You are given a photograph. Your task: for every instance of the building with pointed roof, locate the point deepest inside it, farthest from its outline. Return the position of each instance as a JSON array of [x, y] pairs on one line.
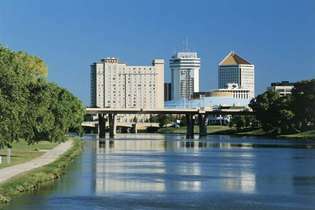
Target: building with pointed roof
[[235, 69]]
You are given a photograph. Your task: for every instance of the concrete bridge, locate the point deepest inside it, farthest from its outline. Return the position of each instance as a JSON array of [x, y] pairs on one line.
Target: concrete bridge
[[201, 113], [128, 126], [94, 124]]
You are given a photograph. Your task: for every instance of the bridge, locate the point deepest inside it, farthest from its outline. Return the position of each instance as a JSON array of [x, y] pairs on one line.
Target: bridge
[[201, 113], [126, 126]]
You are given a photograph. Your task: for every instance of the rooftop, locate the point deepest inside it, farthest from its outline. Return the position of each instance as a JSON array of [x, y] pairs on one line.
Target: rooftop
[[233, 59], [283, 83], [185, 55]]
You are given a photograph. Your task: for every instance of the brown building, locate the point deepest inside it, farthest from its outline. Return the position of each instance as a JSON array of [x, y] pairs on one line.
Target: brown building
[[167, 91]]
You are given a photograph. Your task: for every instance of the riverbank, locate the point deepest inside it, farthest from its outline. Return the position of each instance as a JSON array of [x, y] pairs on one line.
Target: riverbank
[[43, 174], [306, 135], [226, 130], [182, 130]]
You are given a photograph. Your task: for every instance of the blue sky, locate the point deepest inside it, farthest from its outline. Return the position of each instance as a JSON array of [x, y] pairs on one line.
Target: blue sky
[[278, 36]]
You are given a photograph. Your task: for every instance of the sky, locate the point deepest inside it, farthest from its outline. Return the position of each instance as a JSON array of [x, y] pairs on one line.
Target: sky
[[277, 36]]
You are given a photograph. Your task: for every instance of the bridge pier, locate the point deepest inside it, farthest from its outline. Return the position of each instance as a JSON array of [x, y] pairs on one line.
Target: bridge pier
[[101, 126], [202, 121], [190, 113], [112, 125], [134, 128], [190, 126]]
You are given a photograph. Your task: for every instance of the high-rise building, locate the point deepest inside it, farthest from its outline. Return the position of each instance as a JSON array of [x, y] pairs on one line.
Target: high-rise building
[[167, 91], [234, 69], [117, 85], [185, 68]]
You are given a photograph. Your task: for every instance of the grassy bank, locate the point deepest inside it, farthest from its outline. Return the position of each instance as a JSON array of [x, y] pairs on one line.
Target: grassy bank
[[23, 152], [31, 181], [260, 133], [226, 130], [303, 135], [182, 130]]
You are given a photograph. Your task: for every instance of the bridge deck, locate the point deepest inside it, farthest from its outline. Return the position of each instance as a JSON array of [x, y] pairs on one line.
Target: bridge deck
[[165, 111]]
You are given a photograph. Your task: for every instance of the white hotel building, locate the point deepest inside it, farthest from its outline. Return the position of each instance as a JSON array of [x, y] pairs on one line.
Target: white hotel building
[[185, 68], [237, 70], [117, 85]]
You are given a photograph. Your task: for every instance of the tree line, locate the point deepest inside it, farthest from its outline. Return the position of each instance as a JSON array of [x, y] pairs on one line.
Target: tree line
[[277, 114], [31, 108]]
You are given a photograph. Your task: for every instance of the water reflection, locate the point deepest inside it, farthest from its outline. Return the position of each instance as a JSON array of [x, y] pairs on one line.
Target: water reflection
[[117, 173], [246, 182], [129, 165], [167, 172]]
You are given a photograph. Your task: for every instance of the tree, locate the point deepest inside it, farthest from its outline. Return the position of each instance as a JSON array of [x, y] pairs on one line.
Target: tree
[[13, 95], [303, 96], [238, 121], [39, 119], [287, 114], [68, 112], [32, 64], [30, 107], [274, 112], [162, 119], [262, 105]]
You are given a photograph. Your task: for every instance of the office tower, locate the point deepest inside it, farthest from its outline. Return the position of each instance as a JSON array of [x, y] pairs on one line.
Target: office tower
[[185, 68], [117, 85], [234, 69]]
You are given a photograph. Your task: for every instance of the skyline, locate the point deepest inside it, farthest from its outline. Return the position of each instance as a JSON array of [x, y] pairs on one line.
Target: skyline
[[276, 37]]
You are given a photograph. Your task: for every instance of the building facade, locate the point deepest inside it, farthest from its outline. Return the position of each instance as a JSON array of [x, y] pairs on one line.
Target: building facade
[[234, 69], [233, 93], [283, 88], [117, 85], [185, 68], [167, 91], [208, 102], [231, 90]]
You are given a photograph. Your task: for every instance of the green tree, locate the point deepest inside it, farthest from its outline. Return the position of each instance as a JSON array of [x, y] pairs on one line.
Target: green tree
[[67, 114], [162, 119], [262, 105], [32, 64], [39, 119], [13, 95], [303, 96], [238, 121], [30, 106], [274, 112]]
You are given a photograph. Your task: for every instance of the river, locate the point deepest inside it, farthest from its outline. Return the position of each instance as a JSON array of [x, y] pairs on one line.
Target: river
[[154, 171]]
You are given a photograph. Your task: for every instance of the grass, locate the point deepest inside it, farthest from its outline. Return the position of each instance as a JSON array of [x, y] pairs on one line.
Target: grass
[[303, 135], [182, 130], [33, 180], [226, 130], [259, 132], [23, 152]]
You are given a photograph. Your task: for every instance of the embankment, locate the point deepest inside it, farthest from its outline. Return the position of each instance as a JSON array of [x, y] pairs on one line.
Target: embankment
[[34, 179]]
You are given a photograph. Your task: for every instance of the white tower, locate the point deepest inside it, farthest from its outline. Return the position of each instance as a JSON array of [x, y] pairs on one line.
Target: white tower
[[185, 68]]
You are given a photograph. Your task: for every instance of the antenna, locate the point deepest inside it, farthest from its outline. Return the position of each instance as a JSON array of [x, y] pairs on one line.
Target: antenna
[[186, 44]]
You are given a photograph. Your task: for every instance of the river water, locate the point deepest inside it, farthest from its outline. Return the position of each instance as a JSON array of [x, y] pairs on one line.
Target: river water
[[153, 171]]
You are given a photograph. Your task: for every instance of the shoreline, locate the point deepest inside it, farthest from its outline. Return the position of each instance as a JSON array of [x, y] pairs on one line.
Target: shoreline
[[32, 180], [225, 130]]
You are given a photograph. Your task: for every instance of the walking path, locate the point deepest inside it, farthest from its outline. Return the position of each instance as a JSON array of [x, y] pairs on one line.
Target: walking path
[[45, 159]]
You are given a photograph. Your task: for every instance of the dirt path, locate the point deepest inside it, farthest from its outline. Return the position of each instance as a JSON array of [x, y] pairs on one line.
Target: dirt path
[[45, 159]]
